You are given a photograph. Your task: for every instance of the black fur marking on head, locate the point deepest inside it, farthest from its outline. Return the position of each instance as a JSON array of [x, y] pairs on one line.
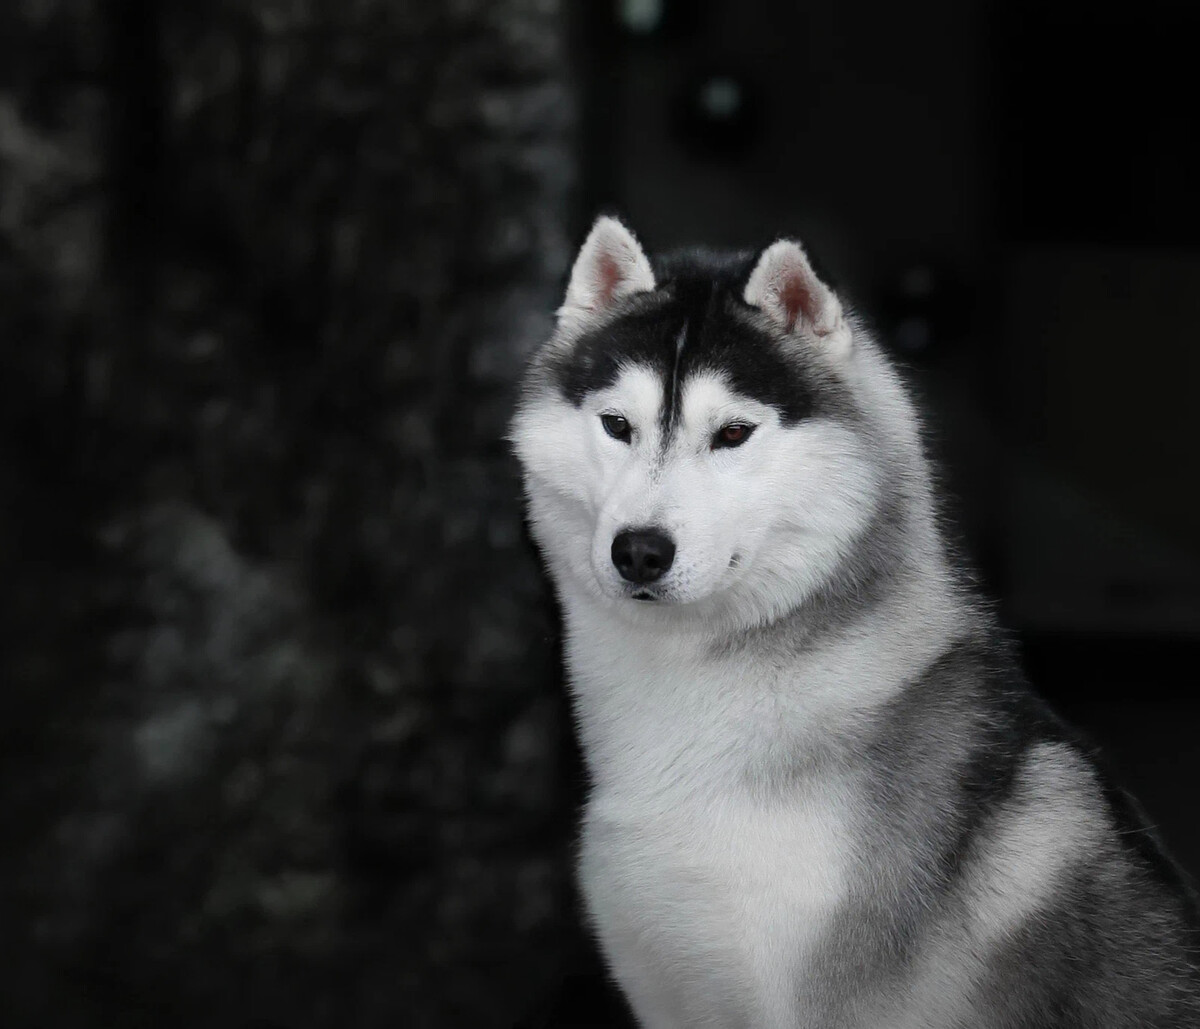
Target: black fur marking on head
[[697, 322], [673, 388]]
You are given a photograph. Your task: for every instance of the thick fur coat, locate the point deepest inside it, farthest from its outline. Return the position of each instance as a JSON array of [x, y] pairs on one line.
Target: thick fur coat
[[821, 793]]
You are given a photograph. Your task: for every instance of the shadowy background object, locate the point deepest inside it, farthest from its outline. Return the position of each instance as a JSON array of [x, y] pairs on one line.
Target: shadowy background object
[[283, 735], [280, 726]]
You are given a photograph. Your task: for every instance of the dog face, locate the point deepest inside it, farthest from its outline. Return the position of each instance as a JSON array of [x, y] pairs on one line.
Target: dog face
[[690, 438]]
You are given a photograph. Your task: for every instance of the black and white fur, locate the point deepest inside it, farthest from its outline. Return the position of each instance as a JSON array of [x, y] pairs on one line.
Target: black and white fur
[[821, 793]]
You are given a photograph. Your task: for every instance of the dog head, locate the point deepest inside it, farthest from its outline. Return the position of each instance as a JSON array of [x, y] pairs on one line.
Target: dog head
[[691, 436]]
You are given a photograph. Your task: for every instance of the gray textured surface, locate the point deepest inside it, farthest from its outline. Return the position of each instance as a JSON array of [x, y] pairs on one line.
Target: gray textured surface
[[279, 731]]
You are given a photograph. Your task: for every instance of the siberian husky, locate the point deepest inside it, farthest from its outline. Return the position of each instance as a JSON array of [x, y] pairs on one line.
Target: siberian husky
[[821, 794]]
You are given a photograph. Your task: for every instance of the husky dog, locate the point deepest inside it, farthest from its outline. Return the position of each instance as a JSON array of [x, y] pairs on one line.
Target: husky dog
[[821, 792]]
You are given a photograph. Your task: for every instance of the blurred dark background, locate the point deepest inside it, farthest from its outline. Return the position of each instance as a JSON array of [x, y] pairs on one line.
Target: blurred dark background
[[282, 737]]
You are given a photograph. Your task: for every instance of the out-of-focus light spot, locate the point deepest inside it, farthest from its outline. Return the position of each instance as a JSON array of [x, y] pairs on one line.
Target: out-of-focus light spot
[[641, 16], [721, 97]]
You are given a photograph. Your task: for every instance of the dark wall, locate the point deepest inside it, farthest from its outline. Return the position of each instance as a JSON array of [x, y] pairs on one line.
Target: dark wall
[[855, 125], [279, 726]]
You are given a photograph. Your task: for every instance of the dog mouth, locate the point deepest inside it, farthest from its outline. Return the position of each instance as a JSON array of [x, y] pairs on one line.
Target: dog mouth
[[644, 595]]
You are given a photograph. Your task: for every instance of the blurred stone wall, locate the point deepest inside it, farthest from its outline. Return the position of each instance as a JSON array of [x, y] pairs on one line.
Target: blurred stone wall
[[280, 736]]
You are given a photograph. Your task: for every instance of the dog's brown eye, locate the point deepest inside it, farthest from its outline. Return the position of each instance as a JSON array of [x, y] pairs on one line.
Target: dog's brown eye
[[616, 426], [732, 435]]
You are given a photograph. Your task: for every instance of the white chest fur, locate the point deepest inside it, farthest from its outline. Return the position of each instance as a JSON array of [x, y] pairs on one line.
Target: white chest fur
[[718, 843], [710, 867], [708, 912]]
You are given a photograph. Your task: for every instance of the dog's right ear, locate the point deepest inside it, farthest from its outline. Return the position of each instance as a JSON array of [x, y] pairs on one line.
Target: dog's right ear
[[610, 265]]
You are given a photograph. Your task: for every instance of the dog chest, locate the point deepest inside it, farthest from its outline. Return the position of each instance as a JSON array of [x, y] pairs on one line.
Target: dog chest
[[714, 908]]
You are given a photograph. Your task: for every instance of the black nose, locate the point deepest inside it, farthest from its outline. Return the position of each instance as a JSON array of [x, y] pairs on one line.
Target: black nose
[[642, 555]]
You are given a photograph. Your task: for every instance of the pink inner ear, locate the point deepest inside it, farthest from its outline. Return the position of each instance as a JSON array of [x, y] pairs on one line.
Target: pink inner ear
[[608, 277], [796, 299]]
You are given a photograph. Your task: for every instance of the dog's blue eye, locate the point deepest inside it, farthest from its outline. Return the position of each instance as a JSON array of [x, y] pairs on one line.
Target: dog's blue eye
[[616, 426], [732, 435]]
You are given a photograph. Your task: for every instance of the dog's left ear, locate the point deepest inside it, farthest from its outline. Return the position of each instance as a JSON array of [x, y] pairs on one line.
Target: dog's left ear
[[611, 264], [785, 287]]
